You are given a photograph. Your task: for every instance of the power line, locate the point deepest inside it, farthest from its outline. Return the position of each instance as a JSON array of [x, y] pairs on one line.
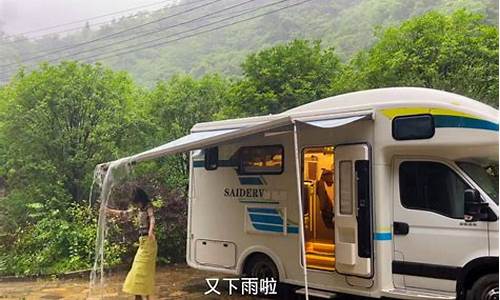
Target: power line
[[113, 53], [166, 28], [105, 22], [92, 25], [182, 23], [58, 50], [90, 19], [204, 17], [200, 32]]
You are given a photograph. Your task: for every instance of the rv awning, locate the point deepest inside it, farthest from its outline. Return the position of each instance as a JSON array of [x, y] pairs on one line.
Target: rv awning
[[334, 122], [205, 139], [195, 139]]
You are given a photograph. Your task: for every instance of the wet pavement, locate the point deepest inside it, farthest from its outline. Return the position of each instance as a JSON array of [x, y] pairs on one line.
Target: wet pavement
[[173, 282]]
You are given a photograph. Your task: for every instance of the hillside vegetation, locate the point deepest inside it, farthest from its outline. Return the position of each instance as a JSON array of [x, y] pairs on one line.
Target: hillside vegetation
[[346, 25]]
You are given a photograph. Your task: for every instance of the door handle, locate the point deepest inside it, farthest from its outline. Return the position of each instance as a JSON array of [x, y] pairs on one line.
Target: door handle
[[401, 228]]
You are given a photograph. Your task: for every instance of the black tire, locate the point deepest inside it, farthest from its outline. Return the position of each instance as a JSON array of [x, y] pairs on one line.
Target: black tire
[[261, 266], [485, 288]]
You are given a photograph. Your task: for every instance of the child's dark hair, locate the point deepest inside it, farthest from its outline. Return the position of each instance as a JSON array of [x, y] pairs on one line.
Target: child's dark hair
[[139, 196]]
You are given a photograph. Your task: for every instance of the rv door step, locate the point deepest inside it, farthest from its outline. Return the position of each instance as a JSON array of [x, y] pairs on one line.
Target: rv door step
[[323, 248], [321, 262], [415, 294], [317, 293], [320, 253]]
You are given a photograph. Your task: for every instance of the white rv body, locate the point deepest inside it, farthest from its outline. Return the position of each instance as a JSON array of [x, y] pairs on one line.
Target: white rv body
[[233, 216], [374, 193]]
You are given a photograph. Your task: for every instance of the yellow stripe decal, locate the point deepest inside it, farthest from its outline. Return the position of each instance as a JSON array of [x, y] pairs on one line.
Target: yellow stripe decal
[[391, 113], [443, 118], [384, 229]]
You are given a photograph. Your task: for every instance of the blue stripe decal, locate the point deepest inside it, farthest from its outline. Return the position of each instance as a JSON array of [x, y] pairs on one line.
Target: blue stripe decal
[[382, 236], [442, 121], [198, 163], [292, 229], [250, 180], [266, 227], [263, 210], [269, 219]]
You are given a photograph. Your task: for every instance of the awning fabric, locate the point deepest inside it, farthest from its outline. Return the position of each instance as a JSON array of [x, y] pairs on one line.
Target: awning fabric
[[195, 139], [333, 123], [205, 139]]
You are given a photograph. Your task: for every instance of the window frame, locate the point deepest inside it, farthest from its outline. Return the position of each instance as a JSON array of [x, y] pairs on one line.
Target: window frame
[[240, 160], [393, 128], [455, 169]]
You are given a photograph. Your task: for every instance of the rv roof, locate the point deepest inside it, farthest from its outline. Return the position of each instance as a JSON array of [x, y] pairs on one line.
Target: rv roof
[[368, 100]]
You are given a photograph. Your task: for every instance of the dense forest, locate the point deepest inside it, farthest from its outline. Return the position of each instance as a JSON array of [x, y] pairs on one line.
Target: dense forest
[[59, 120], [346, 25]]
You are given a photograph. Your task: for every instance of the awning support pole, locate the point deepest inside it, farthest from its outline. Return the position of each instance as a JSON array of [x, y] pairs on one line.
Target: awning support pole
[[301, 209]]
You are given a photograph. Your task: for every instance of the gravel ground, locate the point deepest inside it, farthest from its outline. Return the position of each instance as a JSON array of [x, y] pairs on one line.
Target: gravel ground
[[172, 282]]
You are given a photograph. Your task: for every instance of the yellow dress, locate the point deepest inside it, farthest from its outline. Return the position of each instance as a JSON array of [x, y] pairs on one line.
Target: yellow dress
[[141, 277]]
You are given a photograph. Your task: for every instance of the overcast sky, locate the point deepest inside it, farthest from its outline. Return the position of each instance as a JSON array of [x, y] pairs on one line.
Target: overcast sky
[[19, 16]]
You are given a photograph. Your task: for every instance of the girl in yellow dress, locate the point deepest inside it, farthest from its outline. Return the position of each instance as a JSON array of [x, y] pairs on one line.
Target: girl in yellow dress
[[141, 277]]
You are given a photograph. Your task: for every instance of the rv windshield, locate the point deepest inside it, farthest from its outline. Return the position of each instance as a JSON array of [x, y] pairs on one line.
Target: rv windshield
[[484, 177]]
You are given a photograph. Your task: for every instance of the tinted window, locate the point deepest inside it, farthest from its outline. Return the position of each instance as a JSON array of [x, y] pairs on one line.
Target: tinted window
[[413, 127], [211, 158], [431, 186], [261, 160], [486, 178]]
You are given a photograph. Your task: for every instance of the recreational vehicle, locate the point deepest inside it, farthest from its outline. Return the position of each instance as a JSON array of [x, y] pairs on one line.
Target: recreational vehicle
[[381, 193]]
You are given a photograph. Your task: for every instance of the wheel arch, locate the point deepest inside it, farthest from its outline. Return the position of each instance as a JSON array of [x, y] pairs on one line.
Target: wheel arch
[[473, 270], [256, 250]]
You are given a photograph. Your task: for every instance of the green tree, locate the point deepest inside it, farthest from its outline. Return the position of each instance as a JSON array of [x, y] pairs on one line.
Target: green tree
[[174, 106], [284, 76], [57, 123], [457, 53], [61, 121]]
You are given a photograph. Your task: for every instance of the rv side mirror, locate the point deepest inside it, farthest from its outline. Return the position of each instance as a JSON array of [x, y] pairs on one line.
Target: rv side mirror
[[211, 158], [473, 206]]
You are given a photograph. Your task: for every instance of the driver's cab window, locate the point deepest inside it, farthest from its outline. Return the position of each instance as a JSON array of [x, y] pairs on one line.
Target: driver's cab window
[[431, 186]]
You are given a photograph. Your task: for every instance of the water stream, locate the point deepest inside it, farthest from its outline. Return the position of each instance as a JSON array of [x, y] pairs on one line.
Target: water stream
[[105, 178]]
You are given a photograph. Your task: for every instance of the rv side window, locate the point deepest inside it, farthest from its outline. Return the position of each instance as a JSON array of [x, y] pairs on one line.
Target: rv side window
[[261, 160], [211, 158], [413, 127], [431, 186]]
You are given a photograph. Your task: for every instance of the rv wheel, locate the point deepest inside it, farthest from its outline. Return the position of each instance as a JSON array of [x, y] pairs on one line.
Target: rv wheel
[[260, 266], [485, 288]]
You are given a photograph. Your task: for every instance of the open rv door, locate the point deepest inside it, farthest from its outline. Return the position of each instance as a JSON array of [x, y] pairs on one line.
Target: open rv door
[[353, 205]]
